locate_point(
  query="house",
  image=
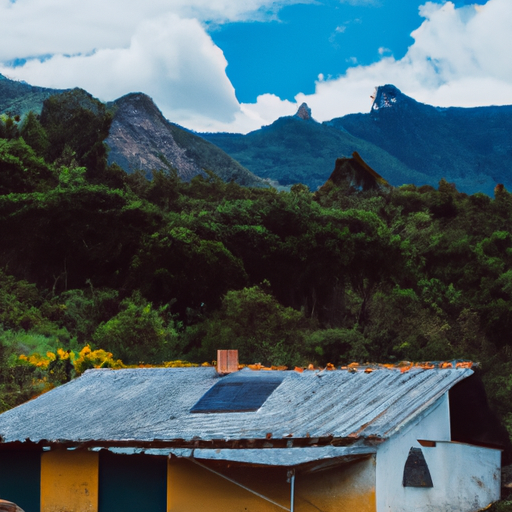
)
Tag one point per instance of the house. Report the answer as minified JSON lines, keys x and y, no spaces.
{"x":384,"y":439}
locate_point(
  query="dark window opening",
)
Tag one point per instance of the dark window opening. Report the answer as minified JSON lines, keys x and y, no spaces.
{"x":416,"y":472}
{"x":20,"y":477}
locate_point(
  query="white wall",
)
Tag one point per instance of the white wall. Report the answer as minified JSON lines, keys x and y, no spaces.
{"x":465,"y":478}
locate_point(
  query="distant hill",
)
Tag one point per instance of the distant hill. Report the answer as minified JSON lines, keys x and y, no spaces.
{"x":403,"y":140}
{"x":141,"y":138}
{"x":297,"y":149}
{"x":471,"y":147}
{"x":19,"y":98}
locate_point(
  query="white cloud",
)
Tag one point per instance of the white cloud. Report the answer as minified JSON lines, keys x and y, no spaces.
{"x":159,"y":47}
{"x":460,"y":56}
{"x":32,"y":28}
{"x":251,"y":116}
{"x":171,"y":59}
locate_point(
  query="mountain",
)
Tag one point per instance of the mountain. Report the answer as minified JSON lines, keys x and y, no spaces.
{"x":403,"y":140}
{"x":471,"y":147}
{"x":141,"y":138}
{"x":298,"y":149}
{"x":19,"y":98}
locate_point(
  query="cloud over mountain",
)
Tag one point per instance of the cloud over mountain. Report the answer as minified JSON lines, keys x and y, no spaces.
{"x":460,"y":56}
{"x":171,"y":59}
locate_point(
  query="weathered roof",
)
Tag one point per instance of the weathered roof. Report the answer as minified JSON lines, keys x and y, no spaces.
{"x":138,"y":406}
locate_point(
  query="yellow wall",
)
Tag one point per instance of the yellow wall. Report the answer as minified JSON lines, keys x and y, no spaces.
{"x":69,"y":481}
{"x":348,"y":488}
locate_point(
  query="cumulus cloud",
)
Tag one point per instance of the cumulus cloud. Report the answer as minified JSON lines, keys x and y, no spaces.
{"x":460,"y":56}
{"x":113,"y":47}
{"x":32,"y":28}
{"x":171,"y":59}
{"x":251,"y":116}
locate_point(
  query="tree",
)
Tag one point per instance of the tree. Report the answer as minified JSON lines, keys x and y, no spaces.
{"x":139,"y":333}
{"x":253,"y":322}
{"x":34,"y":134}
{"x":76,"y":119}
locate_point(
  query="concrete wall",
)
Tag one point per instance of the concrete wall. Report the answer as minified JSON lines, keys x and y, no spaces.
{"x":465,"y":478}
{"x":69,"y":481}
{"x":346,"y":488}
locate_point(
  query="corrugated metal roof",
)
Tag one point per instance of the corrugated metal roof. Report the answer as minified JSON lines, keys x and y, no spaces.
{"x":153,"y":404}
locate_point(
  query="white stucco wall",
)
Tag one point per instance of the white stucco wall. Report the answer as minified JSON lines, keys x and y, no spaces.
{"x":465,"y":478}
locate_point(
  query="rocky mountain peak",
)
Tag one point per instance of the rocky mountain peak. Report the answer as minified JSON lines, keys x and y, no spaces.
{"x":386,"y":96}
{"x":141,"y":137}
{"x":304,"y":112}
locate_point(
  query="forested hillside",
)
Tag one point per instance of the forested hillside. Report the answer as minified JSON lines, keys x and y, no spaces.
{"x":406,"y":141}
{"x":95,"y":260}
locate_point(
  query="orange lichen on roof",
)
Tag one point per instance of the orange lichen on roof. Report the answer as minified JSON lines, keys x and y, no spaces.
{"x":402,"y":366}
{"x":425,"y":366}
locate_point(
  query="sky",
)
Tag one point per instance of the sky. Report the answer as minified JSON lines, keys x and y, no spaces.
{"x":235,"y":65}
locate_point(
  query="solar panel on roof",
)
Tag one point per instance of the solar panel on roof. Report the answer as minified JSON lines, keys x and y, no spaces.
{"x":239,"y":392}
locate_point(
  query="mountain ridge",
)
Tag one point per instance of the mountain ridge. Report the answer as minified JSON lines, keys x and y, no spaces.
{"x":405,"y":141}
{"x":138,"y":138}
{"x":294,"y":150}
{"x":141,"y":137}
{"x":467,"y":146}
{"x":19,"y":98}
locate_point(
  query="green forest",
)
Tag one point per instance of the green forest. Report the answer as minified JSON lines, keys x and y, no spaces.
{"x":103,"y":268}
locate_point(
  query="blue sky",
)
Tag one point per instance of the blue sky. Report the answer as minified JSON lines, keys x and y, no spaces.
{"x":235,"y":65}
{"x":286,"y":56}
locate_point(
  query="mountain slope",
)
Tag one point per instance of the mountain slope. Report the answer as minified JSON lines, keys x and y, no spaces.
{"x":469,"y":146}
{"x":19,"y":98}
{"x":297,"y":149}
{"x":141,"y":138}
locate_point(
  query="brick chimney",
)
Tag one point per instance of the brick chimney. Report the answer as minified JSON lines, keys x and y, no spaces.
{"x":227,"y":361}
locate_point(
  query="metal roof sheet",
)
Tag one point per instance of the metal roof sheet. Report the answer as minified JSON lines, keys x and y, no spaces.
{"x":138,"y":406}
